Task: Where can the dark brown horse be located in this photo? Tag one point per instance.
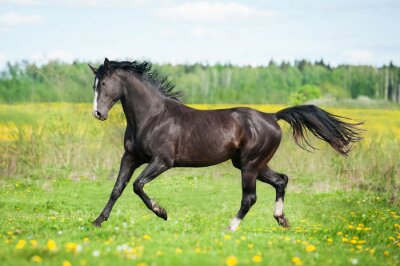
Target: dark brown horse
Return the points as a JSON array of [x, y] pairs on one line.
[[164, 133]]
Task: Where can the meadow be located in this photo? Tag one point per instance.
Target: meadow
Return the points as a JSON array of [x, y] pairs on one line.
[[58, 166]]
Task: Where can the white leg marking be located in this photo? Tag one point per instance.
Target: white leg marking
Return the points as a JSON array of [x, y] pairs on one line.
[[234, 224], [278, 207]]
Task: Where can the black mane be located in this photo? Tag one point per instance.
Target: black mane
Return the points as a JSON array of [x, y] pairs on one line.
[[145, 70]]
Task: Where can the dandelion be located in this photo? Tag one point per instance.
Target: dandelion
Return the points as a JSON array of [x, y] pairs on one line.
[[227, 237], [359, 247], [243, 238], [71, 247], [250, 246], [350, 227], [257, 258], [21, 244], [146, 237], [231, 261], [66, 263], [297, 261], [197, 250], [178, 250], [86, 239], [141, 264], [36, 259], [33, 243], [310, 248], [329, 240], [339, 233], [344, 239], [51, 245], [353, 241], [386, 252]]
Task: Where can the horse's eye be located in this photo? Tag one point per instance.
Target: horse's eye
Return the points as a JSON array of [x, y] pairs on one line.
[[103, 83]]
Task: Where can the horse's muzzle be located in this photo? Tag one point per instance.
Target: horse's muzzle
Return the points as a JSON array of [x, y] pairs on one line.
[[99, 115]]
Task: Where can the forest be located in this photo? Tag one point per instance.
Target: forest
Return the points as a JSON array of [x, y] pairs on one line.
[[276, 83]]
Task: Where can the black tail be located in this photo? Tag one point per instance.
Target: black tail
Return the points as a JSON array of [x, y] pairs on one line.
[[326, 126]]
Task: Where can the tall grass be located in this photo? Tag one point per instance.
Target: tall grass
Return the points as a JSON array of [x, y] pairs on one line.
[[48, 140]]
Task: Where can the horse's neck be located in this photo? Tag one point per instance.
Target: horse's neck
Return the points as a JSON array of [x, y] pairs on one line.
[[140, 102]]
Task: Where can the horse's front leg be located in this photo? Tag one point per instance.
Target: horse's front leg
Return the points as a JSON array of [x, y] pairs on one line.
[[128, 166], [154, 169]]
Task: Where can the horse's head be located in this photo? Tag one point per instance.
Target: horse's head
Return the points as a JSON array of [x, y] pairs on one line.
[[107, 90]]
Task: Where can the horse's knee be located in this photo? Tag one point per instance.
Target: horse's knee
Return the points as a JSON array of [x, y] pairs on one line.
[[137, 187], [250, 200], [115, 194]]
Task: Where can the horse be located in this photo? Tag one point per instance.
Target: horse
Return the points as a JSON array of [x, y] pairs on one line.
[[163, 133]]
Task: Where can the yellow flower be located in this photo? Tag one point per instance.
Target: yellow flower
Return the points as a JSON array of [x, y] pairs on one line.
[[243, 238], [257, 258], [86, 239], [71, 247], [21, 244], [297, 261], [250, 246], [359, 247], [66, 263], [353, 241], [178, 250], [227, 237], [310, 248], [36, 259], [197, 250], [159, 253], [51, 245], [231, 261], [33, 243], [146, 237], [330, 240], [350, 226], [344, 239], [141, 264], [386, 252]]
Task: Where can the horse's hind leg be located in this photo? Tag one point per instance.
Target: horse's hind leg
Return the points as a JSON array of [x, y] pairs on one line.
[[249, 197], [154, 169], [279, 182]]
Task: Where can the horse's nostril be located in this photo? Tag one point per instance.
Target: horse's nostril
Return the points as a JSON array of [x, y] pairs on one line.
[[97, 114]]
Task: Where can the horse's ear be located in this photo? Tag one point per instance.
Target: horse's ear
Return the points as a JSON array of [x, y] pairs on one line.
[[93, 69], [106, 65]]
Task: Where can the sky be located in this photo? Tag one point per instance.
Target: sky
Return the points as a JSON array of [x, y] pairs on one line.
[[237, 32]]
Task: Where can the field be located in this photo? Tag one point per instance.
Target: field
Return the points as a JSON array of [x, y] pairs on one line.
[[58, 166]]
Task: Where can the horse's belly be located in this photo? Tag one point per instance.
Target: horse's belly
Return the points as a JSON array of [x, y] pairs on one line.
[[192, 156]]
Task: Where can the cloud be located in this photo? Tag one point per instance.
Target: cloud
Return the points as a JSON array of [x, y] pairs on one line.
[[360, 56], [213, 12], [61, 55], [76, 3], [11, 20], [203, 33]]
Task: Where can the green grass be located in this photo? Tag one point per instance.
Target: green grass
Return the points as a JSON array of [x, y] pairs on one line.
[[200, 204]]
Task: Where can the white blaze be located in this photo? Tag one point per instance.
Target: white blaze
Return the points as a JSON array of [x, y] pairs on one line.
[[96, 82], [234, 224], [278, 207]]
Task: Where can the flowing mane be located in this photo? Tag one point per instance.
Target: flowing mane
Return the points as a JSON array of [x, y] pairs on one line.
[[147, 72]]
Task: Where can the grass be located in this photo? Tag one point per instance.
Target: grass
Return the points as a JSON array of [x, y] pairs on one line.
[[58, 167], [344, 227]]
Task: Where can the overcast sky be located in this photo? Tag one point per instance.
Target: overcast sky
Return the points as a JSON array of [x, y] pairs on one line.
[[239, 32]]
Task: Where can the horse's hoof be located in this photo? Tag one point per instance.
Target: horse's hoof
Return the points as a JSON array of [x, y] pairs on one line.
[[282, 221], [160, 212], [96, 223]]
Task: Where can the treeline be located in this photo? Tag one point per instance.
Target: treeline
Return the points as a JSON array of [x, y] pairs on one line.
[[273, 83]]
